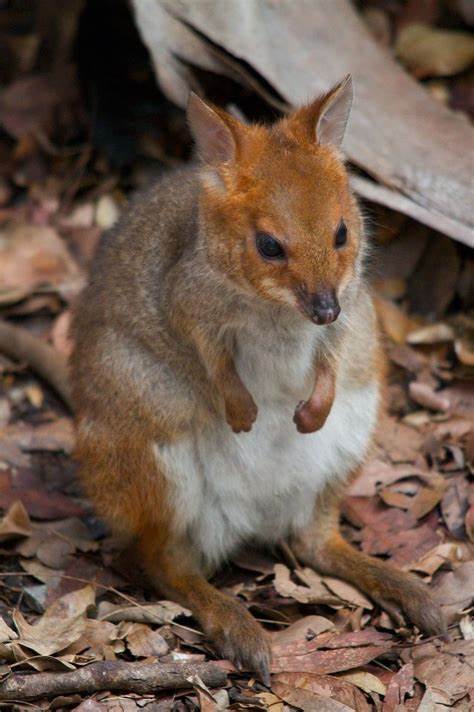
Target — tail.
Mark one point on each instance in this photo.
(48, 363)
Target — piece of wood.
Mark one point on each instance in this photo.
(19, 344)
(420, 152)
(114, 676)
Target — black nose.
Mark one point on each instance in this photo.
(325, 307)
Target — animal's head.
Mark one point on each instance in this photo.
(277, 212)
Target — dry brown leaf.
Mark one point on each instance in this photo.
(16, 523)
(34, 256)
(366, 681)
(432, 334)
(62, 624)
(446, 668)
(153, 613)
(396, 324)
(400, 685)
(465, 351)
(143, 642)
(454, 591)
(427, 397)
(448, 552)
(329, 652)
(346, 592)
(419, 494)
(60, 336)
(314, 590)
(54, 543)
(303, 629)
(399, 441)
(454, 505)
(431, 52)
(305, 699)
(6, 633)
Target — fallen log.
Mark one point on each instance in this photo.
(411, 146)
(114, 676)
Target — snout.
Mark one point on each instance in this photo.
(323, 307)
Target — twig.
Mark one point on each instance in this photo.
(116, 676)
(19, 344)
(109, 589)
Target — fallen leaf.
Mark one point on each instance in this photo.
(432, 334)
(53, 544)
(304, 699)
(400, 686)
(366, 681)
(328, 652)
(427, 397)
(143, 642)
(431, 561)
(34, 256)
(16, 523)
(454, 590)
(446, 668)
(62, 623)
(432, 52)
(313, 590)
(303, 629)
(395, 323)
(154, 613)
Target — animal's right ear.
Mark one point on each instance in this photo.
(211, 130)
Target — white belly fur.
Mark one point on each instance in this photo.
(260, 486)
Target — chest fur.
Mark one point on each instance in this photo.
(260, 486)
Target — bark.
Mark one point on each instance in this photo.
(114, 676)
(19, 344)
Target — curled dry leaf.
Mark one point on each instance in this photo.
(454, 591)
(431, 52)
(366, 681)
(395, 322)
(447, 667)
(418, 494)
(34, 256)
(431, 334)
(54, 543)
(62, 624)
(446, 553)
(427, 397)
(153, 613)
(16, 523)
(325, 686)
(143, 642)
(400, 686)
(305, 628)
(313, 591)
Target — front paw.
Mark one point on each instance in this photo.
(239, 638)
(309, 419)
(241, 414)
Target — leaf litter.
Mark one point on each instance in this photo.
(68, 600)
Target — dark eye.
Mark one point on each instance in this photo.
(341, 235)
(269, 247)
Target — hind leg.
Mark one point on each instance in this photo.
(322, 547)
(172, 568)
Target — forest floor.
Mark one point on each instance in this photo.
(68, 597)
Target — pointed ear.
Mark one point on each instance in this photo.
(211, 131)
(334, 114)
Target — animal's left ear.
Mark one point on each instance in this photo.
(325, 119)
(334, 114)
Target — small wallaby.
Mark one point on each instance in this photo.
(227, 367)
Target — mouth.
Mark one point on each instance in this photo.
(320, 317)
